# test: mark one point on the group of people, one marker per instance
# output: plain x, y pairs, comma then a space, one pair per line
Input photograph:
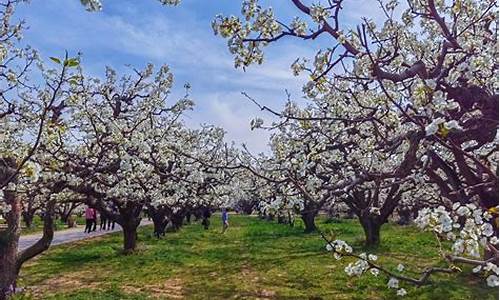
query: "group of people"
91, 221
107, 224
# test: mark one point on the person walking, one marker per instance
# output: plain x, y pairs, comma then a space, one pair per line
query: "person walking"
225, 220
94, 223
111, 219
111, 224
103, 222
89, 219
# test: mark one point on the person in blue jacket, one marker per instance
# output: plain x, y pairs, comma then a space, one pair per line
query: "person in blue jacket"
225, 220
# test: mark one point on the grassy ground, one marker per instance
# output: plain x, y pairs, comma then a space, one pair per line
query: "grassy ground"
37, 225
254, 259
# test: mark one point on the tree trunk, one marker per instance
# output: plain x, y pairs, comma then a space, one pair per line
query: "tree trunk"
65, 212
10, 260
308, 218
281, 219
70, 222
404, 216
128, 216
65, 217
9, 239
372, 231
159, 223
177, 221
28, 218
129, 236
290, 219
248, 206
205, 223
248, 209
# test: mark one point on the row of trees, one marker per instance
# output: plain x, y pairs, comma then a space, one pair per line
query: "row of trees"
116, 143
401, 113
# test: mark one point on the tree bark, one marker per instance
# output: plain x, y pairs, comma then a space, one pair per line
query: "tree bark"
127, 215
281, 219
308, 218
66, 211
129, 236
9, 240
44, 242
372, 231
290, 219
404, 216
10, 260
177, 221
248, 210
159, 224
65, 217
28, 218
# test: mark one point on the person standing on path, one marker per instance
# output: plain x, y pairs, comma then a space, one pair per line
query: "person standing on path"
94, 220
103, 223
225, 220
89, 219
111, 224
111, 219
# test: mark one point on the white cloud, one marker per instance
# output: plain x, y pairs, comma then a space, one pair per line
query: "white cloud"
234, 116
135, 34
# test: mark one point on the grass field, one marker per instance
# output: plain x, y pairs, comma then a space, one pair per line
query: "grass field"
254, 259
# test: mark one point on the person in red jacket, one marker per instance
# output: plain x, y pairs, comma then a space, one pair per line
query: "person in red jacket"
89, 218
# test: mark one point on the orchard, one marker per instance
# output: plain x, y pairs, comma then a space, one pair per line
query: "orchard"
378, 178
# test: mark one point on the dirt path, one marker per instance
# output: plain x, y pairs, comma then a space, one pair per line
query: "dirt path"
69, 235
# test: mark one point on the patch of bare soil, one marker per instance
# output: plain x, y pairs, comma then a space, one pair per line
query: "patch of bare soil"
66, 282
249, 275
266, 294
169, 289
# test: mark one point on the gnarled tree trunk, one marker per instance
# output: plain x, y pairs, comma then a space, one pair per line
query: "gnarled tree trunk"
129, 236
129, 218
282, 219
308, 217
10, 260
371, 226
8, 245
65, 211
159, 223
28, 217
177, 220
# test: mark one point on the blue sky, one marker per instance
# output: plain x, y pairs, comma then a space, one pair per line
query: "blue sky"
136, 32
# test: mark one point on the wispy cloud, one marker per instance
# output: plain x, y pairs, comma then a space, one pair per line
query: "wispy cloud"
137, 32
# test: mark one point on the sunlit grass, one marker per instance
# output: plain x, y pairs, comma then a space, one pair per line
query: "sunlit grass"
254, 259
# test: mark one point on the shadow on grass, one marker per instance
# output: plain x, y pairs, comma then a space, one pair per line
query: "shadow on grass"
254, 259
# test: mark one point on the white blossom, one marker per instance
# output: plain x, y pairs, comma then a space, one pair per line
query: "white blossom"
393, 283
492, 280
400, 267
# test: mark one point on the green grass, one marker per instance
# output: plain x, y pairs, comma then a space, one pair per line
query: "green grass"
37, 225
254, 259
